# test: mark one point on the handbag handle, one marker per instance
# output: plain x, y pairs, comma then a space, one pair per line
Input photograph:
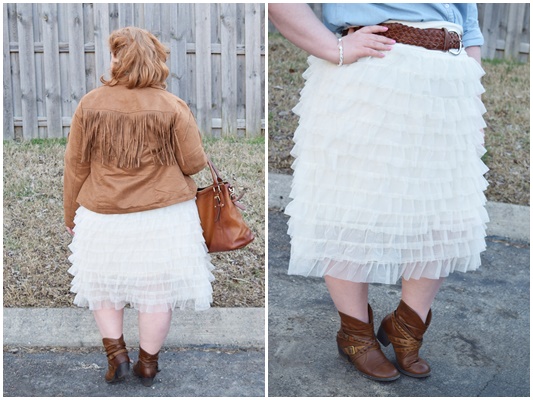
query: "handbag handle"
217, 180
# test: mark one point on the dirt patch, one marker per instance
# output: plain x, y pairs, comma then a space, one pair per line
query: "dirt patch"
36, 243
507, 101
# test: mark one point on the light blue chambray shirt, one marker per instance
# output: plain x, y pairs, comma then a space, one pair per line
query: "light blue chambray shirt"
337, 16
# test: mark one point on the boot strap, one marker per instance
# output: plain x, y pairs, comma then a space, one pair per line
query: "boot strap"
406, 343
363, 347
112, 355
358, 351
345, 336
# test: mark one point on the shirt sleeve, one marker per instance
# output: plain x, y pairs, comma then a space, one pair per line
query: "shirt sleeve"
188, 143
75, 171
472, 35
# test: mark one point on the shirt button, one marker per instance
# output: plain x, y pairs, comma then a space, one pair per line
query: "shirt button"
446, 5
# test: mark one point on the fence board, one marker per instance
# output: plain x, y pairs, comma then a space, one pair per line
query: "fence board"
138, 15
488, 17
76, 54
228, 80
203, 67
125, 14
514, 30
15, 69
101, 34
51, 70
113, 17
253, 69
27, 70
89, 37
9, 129
179, 47
64, 65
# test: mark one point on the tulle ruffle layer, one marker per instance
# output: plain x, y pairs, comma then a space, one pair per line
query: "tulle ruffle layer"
388, 180
154, 260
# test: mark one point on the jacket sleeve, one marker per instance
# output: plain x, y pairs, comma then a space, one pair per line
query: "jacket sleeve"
472, 35
76, 171
188, 143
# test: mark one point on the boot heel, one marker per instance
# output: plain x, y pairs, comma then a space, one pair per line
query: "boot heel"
342, 353
382, 337
147, 381
122, 371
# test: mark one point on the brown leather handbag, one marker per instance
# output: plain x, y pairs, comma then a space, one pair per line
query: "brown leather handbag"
222, 222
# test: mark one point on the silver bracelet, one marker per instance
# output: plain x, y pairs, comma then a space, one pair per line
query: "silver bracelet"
341, 52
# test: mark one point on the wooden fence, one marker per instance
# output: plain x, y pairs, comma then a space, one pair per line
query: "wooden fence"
505, 27
55, 53
506, 30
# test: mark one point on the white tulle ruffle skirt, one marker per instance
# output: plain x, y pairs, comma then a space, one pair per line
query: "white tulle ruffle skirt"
154, 260
388, 180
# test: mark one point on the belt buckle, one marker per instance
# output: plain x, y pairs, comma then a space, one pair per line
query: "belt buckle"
456, 52
448, 37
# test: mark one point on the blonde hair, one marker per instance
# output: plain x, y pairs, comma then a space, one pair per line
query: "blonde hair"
141, 59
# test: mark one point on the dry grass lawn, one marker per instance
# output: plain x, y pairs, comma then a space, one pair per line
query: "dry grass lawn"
35, 240
507, 101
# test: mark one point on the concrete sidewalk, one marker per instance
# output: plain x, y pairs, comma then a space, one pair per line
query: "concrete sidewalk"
477, 344
75, 327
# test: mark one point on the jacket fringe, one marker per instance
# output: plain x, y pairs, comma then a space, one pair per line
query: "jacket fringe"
119, 138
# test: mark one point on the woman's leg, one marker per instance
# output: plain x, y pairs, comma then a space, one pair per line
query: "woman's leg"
153, 330
350, 298
109, 322
420, 293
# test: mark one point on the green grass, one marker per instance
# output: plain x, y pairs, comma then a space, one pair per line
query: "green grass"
502, 61
40, 143
259, 140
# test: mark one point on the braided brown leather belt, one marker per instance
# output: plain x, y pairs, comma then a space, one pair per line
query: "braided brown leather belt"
432, 39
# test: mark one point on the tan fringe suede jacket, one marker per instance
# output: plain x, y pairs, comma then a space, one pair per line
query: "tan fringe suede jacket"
130, 150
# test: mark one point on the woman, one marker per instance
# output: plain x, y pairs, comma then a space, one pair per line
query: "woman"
388, 181
130, 203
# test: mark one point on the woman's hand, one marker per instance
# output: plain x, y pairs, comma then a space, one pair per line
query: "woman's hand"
365, 43
299, 24
69, 230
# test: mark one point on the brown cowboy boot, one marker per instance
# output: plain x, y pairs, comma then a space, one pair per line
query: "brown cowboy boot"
405, 329
117, 359
356, 341
147, 367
